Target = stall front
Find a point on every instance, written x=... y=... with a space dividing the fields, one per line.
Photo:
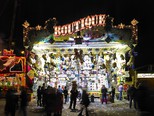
x=90 y=51
x=12 y=71
x=146 y=79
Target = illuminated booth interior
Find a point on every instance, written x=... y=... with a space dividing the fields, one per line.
x=91 y=51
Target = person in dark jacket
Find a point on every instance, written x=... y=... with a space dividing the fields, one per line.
x=39 y=96
x=59 y=103
x=104 y=94
x=74 y=95
x=23 y=101
x=128 y=92
x=43 y=89
x=50 y=101
x=65 y=91
x=84 y=102
x=141 y=98
x=132 y=92
x=112 y=94
x=11 y=102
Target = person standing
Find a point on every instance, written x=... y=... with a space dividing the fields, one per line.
x=120 y=89
x=128 y=88
x=73 y=96
x=50 y=101
x=11 y=102
x=84 y=102
x=59 y=103
x=23 y=101
x=43 y=89
x=60 y=89
x=112 y=94
x=39 y=97
x=132 y=91
x=65 y=91
x=104 y=94
x=79 y=95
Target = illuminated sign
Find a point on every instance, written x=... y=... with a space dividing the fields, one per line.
x=145 y=75
x=12 y=64
x=8 y=52
x=84 y=23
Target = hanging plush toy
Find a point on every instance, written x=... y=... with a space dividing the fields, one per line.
x=79 y=55
x=37 y=63
x=44 y=57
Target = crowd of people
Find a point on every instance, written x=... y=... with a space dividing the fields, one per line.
x=52 y=99
x=142 y=98
x=16 y=101
x=48 y=98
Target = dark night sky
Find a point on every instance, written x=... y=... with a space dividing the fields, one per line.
x=123 y=11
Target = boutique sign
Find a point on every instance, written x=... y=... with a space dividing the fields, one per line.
x=93 y=28
x=145 y=75
x=83 y=23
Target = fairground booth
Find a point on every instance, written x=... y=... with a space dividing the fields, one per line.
x=145 y=76
x=12 y=71
x=91 y=51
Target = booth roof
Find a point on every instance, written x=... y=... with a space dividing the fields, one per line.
x=47 y=47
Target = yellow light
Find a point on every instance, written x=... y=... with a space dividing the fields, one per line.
x=22 y=52
x=26 y=24
x=38 y=27
x=134 y=22
x=121 y=26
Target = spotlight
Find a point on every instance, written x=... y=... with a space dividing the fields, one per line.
x=108 y=39
x=78 y=40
